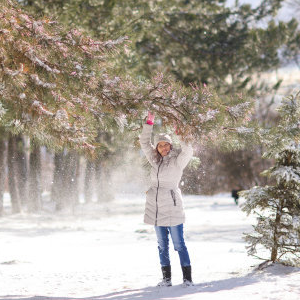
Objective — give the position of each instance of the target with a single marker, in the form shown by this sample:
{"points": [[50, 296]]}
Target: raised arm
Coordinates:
{"points": [[185, 155], [145, 138], [186, 151]]}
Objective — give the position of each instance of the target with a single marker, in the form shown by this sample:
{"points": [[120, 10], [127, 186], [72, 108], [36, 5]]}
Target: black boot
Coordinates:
{"points": [[187, 275], [166, 272]]}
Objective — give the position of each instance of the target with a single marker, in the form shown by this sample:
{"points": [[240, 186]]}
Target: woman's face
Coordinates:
{"points": [[163, 148]]}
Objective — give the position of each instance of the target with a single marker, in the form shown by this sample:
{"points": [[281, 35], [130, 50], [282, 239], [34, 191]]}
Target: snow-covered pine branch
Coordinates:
{"points": [[68, 71]]}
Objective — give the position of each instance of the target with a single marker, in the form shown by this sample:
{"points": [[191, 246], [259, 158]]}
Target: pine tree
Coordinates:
{"points": [[60, 86], [51, 79], [196, 41], [277, 206]]}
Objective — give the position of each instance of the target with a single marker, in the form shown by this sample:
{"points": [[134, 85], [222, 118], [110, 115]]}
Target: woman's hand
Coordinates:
{"points": [[150, 118], [177, 131]]}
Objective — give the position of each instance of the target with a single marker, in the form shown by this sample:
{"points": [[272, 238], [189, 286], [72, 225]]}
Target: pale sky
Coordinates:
{"points": [[285, 13]]}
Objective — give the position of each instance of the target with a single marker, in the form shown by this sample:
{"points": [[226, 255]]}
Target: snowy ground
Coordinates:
{"points": [[105, 252]]}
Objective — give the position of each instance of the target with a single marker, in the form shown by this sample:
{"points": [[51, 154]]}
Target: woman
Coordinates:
{"points": [[164, 201]]}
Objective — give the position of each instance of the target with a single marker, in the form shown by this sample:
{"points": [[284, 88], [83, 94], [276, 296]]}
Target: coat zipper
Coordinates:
{"points": [[157, 192], [173, 197]]}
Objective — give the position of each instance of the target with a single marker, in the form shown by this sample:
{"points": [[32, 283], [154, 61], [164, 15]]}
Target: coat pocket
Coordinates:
{"points": [[173, 197]]}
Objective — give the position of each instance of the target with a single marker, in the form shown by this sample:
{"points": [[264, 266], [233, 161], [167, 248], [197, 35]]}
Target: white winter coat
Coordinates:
{"points": [[164, 200]]}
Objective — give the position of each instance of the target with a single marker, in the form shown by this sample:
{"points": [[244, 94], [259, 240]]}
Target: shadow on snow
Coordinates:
{"points": [[155, 293]]}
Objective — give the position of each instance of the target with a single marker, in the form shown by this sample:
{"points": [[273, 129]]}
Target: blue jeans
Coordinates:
{"points": [[176, 233]]}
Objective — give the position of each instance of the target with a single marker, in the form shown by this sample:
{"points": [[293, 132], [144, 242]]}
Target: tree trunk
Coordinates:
{"points": [[71, 169], [98, 180], [12, 183], [35, 189], [21, 167], [2, 173], [65, 180], [274, 252], [57, 187], [88, 181]]}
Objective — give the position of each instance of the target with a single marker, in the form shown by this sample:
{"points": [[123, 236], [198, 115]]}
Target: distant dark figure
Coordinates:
{"points": [[235, 195]]}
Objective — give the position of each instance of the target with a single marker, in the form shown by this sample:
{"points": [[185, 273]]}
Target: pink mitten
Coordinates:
{"points": [[177, 131], [150, 119]]}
